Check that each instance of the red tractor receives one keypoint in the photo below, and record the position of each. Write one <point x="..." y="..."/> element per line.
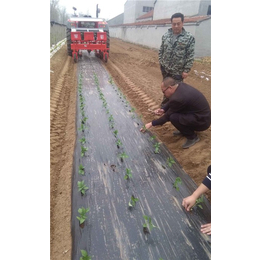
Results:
<point x="86" y="33"/>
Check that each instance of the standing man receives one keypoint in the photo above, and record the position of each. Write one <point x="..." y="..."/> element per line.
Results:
<point x="188" y="110"/>
<point x="176" y="54"/>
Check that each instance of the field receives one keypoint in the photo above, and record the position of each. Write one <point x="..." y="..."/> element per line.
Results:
<point x="135" y="70"/>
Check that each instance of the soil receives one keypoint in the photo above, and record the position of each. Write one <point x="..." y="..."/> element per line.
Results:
<point x="135" y="70"/>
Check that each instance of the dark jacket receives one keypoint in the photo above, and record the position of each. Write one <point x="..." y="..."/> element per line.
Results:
<point x="189" y="102"/>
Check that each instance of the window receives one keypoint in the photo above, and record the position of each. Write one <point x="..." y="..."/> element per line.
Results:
<point x="209" y="10"/>
<point x="147" y="9"/>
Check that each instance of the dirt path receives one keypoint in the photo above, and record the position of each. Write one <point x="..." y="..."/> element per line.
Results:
<point x="62" y="141"/>
<point x="135" y="70"/>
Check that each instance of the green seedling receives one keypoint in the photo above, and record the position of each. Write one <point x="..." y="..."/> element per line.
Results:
<point x="82" y="215"/>
<point x="152" y="137"/>
<point x="123" y="156"/>
<point x="111" y="118"/>
<point x="81" y="99"/>
<point x="118" y="143"/>
<point x="82" y="187"/>
<point x="107" y="111"/>
<point x="85" y="255"/>
<point x="132" y="201"/>
<point x="83" y="150"/>
<point x="81" y="169"/>
<point x="132" y="110"/>
<point x="157" y="148"/>
<point x="148" y="222"/>
<point x="160" y="258"/>
<point x="128" y="174"/>
<point x="112" y="125"/>
<point x="105" y="104"/>
<point x="82" y="140"/>
<point x="176" y="183"/>
<point x="144" y="128"/>
<point x="82" y="127"/>
<point x="170" y="161"/>
<point x="198" y="202"/>
<point x="110" y="80"/>
<point x="115" y="132"/>
<point x="133" y="116"/>
<point x="84" y="120"/>
<point x="82" y="113"/>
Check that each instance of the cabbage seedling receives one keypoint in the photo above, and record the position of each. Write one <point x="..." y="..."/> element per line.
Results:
<point x="115" y="132"/>
<point x="83" y="140"/>
<point x="118" y="143"/>
<point x="81" y="169"/>
<point x="128" y="174"/>
<point x="148" y="222"/>
<point x="132" y="201"/>
<point x="157" y="148"/>
<point x="177" y="182"/>
<point x="110" y="80"/>
<point x="198" y="202"/>
<point x="82" y="215"/>
<point x="111" y="118"/>
<point x="81" y="127"/>
<point x="83" y="150"/>
<point x="152" y="137"/>
<point x="170" y="161"/>
<point x="82" y="187"/>
<point x="84" y="120"/>
<point x="123" y="156"/>
<point x="85" y="255"/>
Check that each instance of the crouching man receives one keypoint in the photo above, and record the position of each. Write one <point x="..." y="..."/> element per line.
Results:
<point x="187" y="110"/>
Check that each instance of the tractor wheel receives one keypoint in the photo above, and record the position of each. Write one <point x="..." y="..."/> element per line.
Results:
<point x="105" y="57"/>
<point x="69" y="42"/>
<point x="89" y="51"/>
<point x="101" y="55"/>
<point x="108" y="40"/>
<point x="75" y="57"/>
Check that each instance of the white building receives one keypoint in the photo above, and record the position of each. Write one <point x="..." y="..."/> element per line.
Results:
<point x="133" y="9"/>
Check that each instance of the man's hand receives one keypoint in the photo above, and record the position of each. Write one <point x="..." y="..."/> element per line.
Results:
<point x="188" y="202"/>
<point x="184" y="75"/>
<point x="206" y="229"/>
<point x="159" y="111"/>
<point x="147" y="126"/>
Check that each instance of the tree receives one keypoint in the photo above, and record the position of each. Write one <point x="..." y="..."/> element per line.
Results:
<point x="54" y="9"/>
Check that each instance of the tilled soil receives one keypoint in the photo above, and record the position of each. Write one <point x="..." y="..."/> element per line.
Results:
<point x="134" y="69"/>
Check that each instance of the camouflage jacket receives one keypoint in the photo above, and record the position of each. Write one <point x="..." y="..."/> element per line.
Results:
<point x="177" y="56"/>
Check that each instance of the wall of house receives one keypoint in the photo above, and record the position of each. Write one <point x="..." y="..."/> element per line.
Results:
<point x="151" y="36"/>
<point x="165" y="9"/>
<point x="134" y="9"/>
<point x="116" y="20"/>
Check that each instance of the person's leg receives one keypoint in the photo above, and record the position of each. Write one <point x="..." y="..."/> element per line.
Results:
<point x="188" y="131"/>
<point x="185" y="130"/>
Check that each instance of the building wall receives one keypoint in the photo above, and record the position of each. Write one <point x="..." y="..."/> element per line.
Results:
<point x="134" y="9"/>
<point x="164" y="9"/>
<point x="151" y="36"/>
<point x="116" y="20"/>
<point x="203" y="39"/>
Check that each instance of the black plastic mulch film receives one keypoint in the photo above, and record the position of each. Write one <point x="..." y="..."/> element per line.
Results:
<point x="112" y="229"/>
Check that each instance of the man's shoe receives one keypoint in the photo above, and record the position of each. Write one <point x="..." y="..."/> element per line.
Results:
<point x="190" y="142"/>
<point x="176" y="133"/>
